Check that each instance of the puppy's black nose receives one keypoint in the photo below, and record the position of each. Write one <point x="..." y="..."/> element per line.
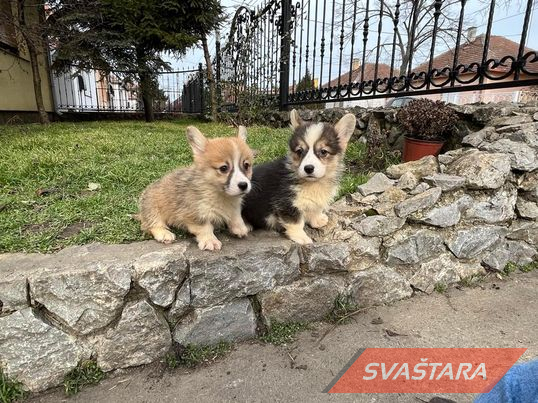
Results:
<point x="309" y="169"/>
<point x="242" y="185"/>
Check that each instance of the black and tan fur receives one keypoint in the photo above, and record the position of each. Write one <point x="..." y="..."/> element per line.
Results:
<point x="298" y="188"/>
<point x="208" y="193"/>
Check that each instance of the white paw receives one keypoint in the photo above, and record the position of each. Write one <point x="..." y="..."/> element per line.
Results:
<point x="301" y="239"/>
<point x="209" y="244"/>
<point x="165" y="236"/>
<point x="240" y="230"/>
<point x="319" y="221"/>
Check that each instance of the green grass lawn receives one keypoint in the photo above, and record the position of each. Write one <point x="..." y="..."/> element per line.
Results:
<point x="45" y="172"/>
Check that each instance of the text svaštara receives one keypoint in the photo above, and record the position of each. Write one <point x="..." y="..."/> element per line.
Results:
<point x="464" y="370"/>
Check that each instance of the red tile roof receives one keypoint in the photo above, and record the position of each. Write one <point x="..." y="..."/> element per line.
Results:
<point x="383" y="70"/>
<point x="470" y="52"/>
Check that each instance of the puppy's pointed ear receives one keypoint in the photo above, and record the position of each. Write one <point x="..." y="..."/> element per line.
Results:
<point x="196" y="139"/>
<point x="345" y="128"/>
<point x="242" y="133"/>
<point x="295" y="119"/>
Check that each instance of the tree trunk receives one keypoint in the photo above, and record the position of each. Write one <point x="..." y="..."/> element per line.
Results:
<point x="30" y="34"/>
<point x="36" y="75"/>
<point x="403" y="66"/>
<point x="146" y="85"/>
<point x="210" y="80"/>
<point x="147" y="98"/>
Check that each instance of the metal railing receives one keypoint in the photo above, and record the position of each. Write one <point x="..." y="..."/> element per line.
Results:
<point x="79" y="90"/>
<point x="321" y="51"/>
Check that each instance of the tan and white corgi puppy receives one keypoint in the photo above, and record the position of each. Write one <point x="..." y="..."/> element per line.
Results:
<point x="296" y="189"/>
<point x="206" y="194"/>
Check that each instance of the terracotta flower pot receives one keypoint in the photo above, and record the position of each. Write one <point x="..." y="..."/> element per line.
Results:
<point x="416" y="149"/>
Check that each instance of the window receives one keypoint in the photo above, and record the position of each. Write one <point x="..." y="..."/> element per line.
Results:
<point x="8" y="39"/>
<point x="81" y="86"/>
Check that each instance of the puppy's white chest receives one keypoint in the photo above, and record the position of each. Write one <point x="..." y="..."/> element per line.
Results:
<point x="314" y="196"/>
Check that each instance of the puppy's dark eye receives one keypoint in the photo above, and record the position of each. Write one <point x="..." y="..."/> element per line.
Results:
<point x="299" y="152"/>
<point x="246" y="165"/>
<point x="223" y="169"/>
<point x="323" y="152"/>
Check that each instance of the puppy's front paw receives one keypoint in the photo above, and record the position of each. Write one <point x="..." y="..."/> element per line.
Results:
<point x="240" y="230"/>
<point x="319" y="221"/>
<point x="163" y="235"/>
<point x="301" y="239"/>
<point x="209" y="244"/>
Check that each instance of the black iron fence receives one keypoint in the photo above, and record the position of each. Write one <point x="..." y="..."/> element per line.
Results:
<point x="79" y="90"/>
<point x="320" y="51"/>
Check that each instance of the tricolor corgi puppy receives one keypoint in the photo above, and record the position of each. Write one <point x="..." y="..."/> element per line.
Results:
<point x="206" y="194"/>
<point x="296" y="189"/>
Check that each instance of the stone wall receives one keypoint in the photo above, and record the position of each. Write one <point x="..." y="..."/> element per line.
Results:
<point x="436" y="220"/>
<point x="473" y="117"/>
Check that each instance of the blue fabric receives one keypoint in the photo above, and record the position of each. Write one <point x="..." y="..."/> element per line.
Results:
<point x="519" y="385"/>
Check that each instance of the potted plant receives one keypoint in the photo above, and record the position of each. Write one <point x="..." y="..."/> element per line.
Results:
<point x="427" y="125"/>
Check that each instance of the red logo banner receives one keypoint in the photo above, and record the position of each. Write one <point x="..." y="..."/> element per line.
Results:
<point x="425" y="370"/>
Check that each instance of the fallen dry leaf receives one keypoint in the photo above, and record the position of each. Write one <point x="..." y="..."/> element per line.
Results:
<point x="392" y="333"/>
<point x="92" y="186"/>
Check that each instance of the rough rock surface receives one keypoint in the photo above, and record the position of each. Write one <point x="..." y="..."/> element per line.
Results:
<point x="524" y="231"/>
<point x="408" y="181"/>
<point x="181" y="305"/>
<point x="444" y="270"/>
<point x="445" y="182"/>
<point x="511" y="120"/>
<point x="450" y="156"/>
<point x="414" y="248"/>
<point x="517" y="252"/>
<point x="160" y="273"/>
<point x="421" y="187"/>
<point x="527" y="208"/>
<point x="469" y="243"/>
<point x="475" y="139"/>
<point x="13" y="294"/>
<point x="365" y="251"/>
<point x="529" y="181"/>
<point x="482" y="170"/>
<point x="306" y="299"/>
<point x="421" y="201"/>
<point x="445" y="216"/>
<point x="387" y="200"/>
<point x="70" y="293"/>
<point x="522" y="157"/>
<point x="378" y="285"/>
<point x="377" y="184"/>
<point x="495" y="208"/>
<point x="140" y="337"/>
<point x="251" y="267"/>
<point x="327" y="257"/>
<point x="422" y="167"/>
<point x="34" y="353"/>
<point x="379" y="225"/>
<point x="232" y="321"/>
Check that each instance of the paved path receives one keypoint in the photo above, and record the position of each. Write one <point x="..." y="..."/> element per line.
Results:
<point x="499" y="314"/>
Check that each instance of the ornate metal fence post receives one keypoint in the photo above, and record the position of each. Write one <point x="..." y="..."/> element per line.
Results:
<point x="201" y="87"/>
<point x="285" y="45"/>
<point x="217" y="71"/>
